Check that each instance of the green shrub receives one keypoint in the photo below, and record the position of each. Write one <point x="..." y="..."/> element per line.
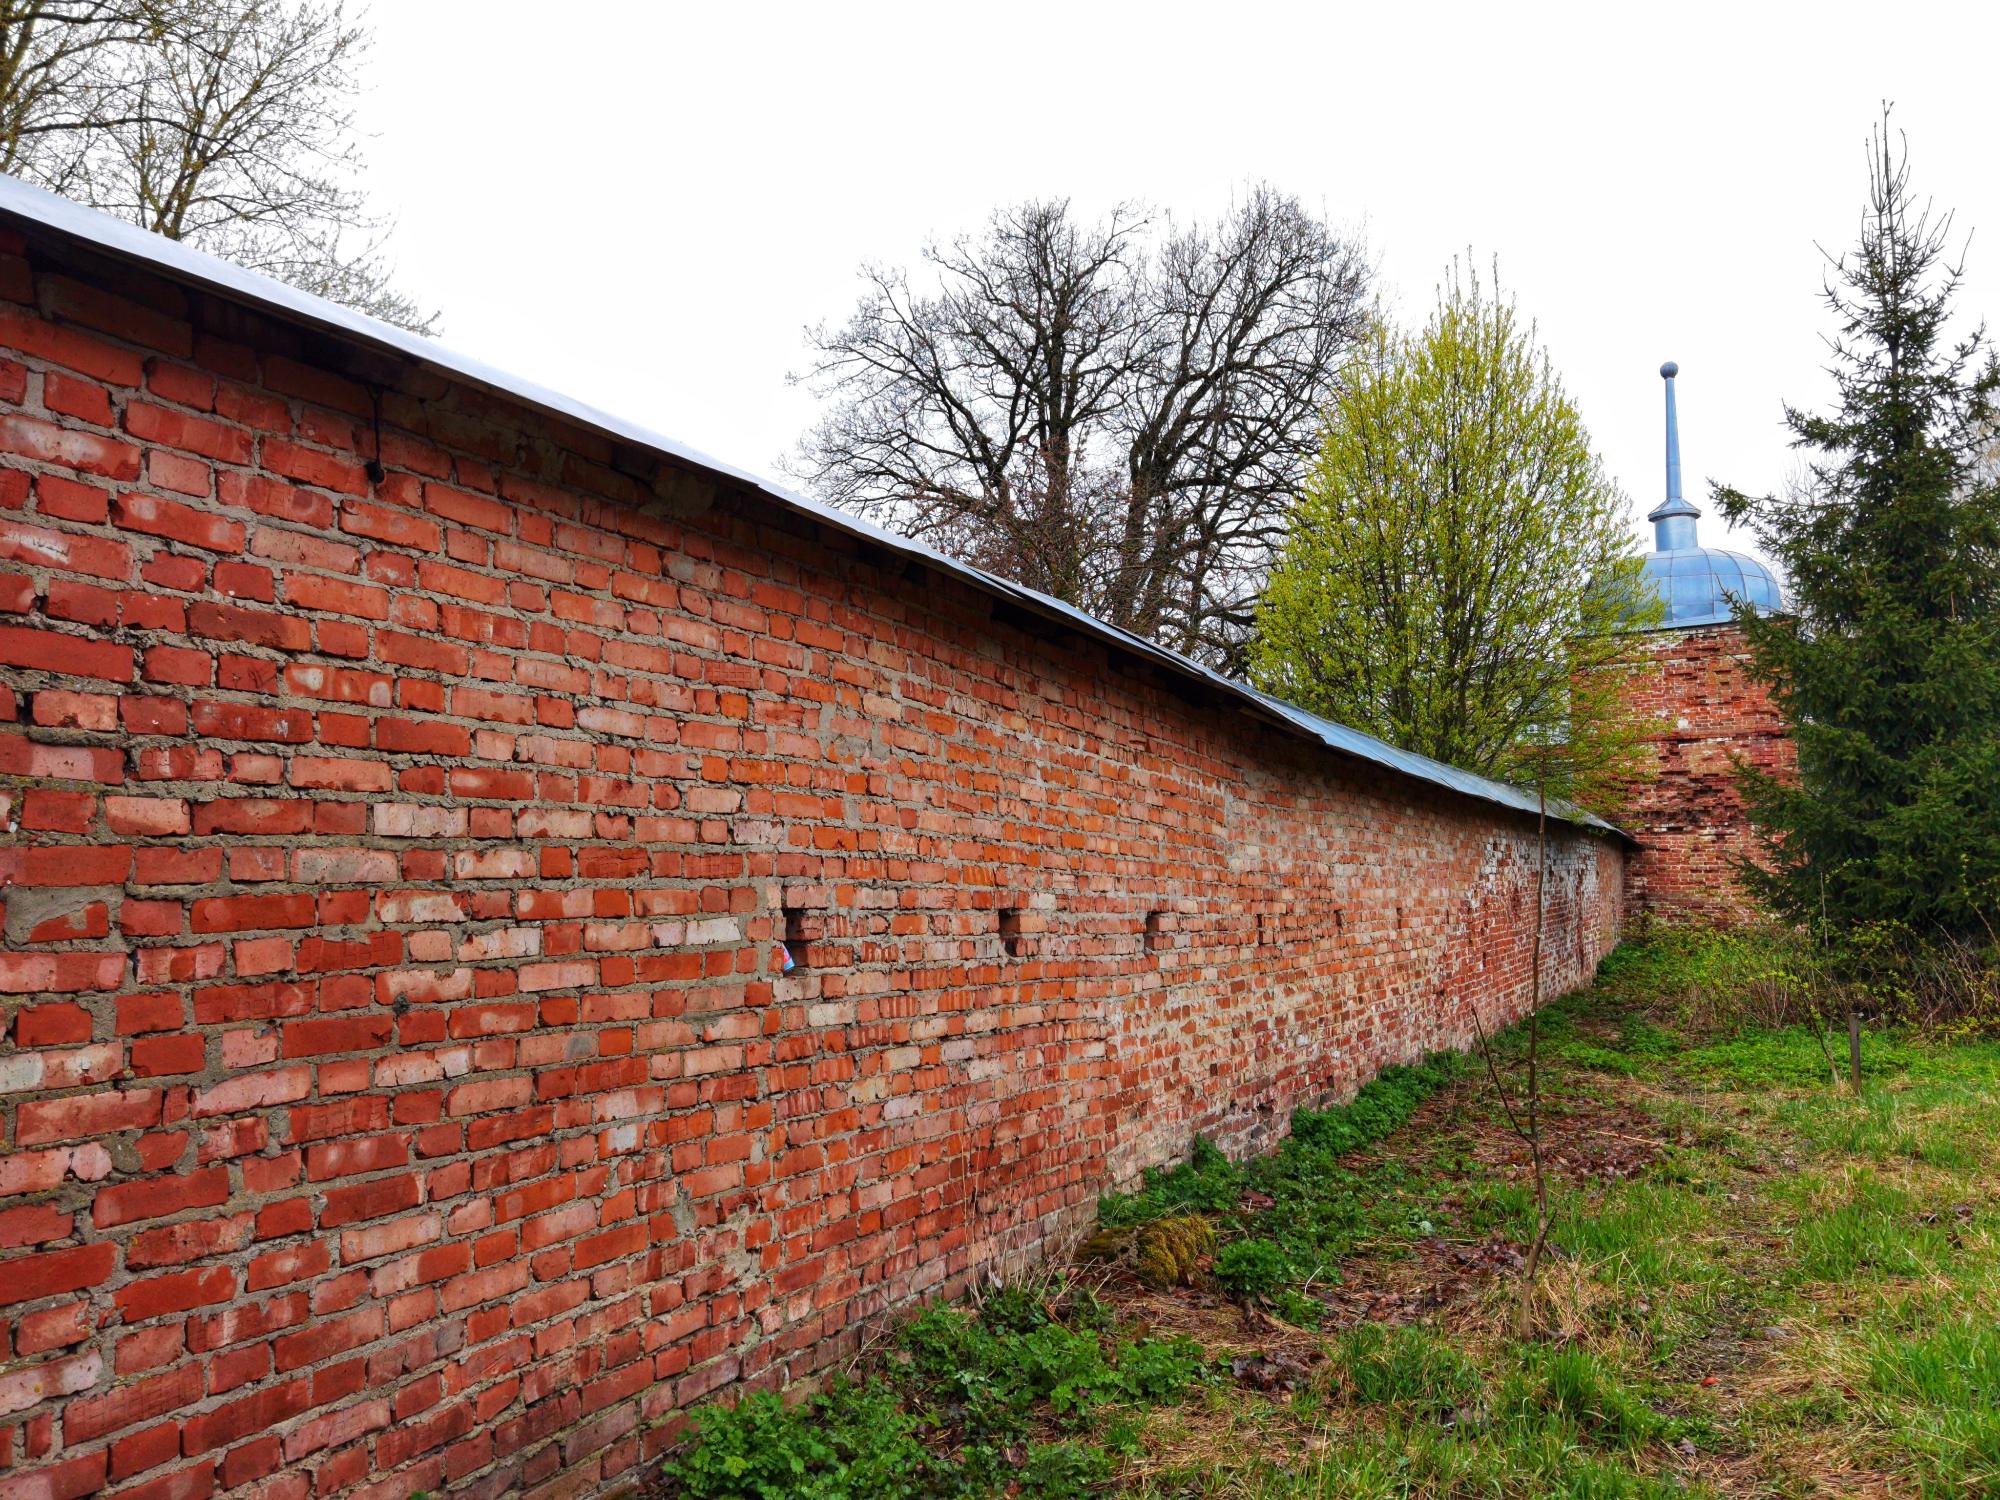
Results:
<point x="1296" y="1308"/>
<point x="1063" y="1471"/>
<point x="1252" y="1268"/>
<point x="1708" y="980"/>
<point x="849" y="1442"/>
<point x="994" y="1381"/>
<point x="1014" y="1309"/>
<point x="1208" y="1182"/>
<point x="1156" y="1371"/>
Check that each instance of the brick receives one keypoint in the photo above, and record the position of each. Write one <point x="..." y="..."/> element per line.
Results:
<point x="66" y="1069"/>
<point x="328" y="1337"/>
<point x="64" y="1480"/>
<point x="33" y="1224"/>
<point x="135" y="319"/>
<point x="146" y="817"/>
<point x="181" y="385"/>
<point x="197" y="1239"/>
<point x="315" y="1038"/>
<point x="253" y="1091"/>
<point x="61" y="973"/>
<point x="49" y="1328"/>
<point x="29" y="1278"/>
<point x="370" y="1200"/>
<point x="338" y="596"/>
<point x="249" y="913"/>
<point x="60" y="710"/>
<point x="40" y="1121"/>
<point x="65" y="346"/>
<point x="139" y="1451"/>
<point x="81" y="399"/>
<point x="247" y="721"/>
<point x="121" y="1203"/>
<point x="79" y="656"/>
<point x="38" y="1171"/>
<point x="172" y="429"/>
<point x="64" y="551"/>
<point x="85" y="452"/>
<point x="245" y="1417"/>
<point x="177" y="1292"/>
<point x="399" y="528"/>
<point x="141" y="1401"/>
<point x="326" y="471"/>
<point x="245" y="1322"/>
<point x="53" y="1025"/>
<point x="68" y="500"/>
<point x="258" y="627"/>
<point x="1693" y="684"/>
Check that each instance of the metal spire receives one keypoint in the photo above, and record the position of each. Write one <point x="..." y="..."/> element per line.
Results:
<point x="1673" y="521"/>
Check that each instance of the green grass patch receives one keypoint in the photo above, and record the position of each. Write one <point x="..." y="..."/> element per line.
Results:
<point x="1319" y="1207"/>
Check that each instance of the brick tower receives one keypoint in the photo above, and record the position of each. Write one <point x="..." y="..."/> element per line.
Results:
<point x="1709" y="712"/>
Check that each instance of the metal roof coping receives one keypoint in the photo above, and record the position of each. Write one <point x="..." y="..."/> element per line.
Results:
<point x="40" y="209"/>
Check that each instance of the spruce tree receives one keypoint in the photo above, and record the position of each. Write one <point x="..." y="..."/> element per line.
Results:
<point x="1888" y="663"/>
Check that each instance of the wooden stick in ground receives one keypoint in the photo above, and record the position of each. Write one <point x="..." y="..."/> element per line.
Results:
<point x="1534" y="1260"/>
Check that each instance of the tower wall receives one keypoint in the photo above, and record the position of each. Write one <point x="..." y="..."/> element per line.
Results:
<point x="1689" y="818"/>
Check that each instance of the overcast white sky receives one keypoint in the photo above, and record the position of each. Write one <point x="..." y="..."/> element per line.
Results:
<point x="645" y="204"/>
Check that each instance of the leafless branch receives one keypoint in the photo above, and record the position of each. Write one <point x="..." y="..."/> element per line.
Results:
<point x="224" y="123"/>
<point x="1115" y="413"/>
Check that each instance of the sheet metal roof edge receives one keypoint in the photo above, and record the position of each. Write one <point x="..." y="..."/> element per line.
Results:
<point x="170" y="258"/>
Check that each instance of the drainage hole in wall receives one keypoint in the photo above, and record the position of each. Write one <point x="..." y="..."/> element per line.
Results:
<point x="797" y="937"/>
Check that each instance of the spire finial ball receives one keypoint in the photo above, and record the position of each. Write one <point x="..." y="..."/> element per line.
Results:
<point x="1669" y="370"/>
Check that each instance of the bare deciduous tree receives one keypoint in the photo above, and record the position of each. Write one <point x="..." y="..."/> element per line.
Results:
<point x="225" y="123"/>
<point x="1114" y="413"/>
<point x="58" y="79"/>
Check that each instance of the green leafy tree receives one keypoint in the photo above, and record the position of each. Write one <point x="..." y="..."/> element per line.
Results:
<point x="1459" y="566"/>
<point x="1458" y="579"/>
<point x="1888" y="665"/>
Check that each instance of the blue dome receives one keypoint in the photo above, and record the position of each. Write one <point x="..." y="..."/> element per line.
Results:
<point x="1698" y="585"/>
<point x="1702" y="585"/>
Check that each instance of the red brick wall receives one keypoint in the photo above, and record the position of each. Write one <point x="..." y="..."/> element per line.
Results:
<point x="398" y="1089"/>
<point x="1689" y="819"/>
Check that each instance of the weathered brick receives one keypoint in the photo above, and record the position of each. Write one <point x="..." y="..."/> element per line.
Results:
<point x="121" y="1203"/>
<point x="66" y="551"/>
<point x="44" y="442"/>
<point x="79" y="656"/>
<point x="141" y="1401"/>
<point x="173" y="429"/>
<point x="32" y="1277"/>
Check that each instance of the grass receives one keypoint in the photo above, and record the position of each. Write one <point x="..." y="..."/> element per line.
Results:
<point x="1758" y="1284"/>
